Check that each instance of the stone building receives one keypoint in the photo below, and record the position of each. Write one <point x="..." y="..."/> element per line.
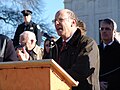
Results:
<point x="92" y="11"/>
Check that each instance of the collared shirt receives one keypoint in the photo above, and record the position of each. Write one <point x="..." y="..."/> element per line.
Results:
<point x="104" y="45"/>
<point x="69" y="37"/>
<point x="36" y="53"/>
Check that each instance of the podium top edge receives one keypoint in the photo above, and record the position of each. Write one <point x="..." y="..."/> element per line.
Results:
<point x="38" y="63"/>
<point x="30" y="61"/>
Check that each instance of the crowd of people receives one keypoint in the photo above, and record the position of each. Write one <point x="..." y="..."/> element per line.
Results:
<point x="95" y="67"/>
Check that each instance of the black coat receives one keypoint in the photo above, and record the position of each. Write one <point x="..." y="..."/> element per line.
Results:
<point x="30" y="27"/>
<point x="109" y="61"/>
<point x="7" y="50"/>
<point x="75" y="58"/>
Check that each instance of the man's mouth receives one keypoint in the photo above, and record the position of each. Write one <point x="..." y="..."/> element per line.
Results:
<point x="59" y="29"/>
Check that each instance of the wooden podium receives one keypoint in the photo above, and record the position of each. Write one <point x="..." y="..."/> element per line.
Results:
<point x="43" y="74"/>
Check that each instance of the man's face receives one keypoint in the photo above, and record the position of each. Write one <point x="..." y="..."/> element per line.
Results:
<point x="23" y="41"/>
<point x="27" y="18"/>
<point x="107" y="32"/>
<point x="47" y="46"/>
<point x="63" y="24"/>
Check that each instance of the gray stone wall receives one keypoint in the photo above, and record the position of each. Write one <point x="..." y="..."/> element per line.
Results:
<point x="92" y="11"/>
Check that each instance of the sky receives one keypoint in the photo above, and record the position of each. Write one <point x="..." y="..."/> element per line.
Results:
<point x="51" y="7"/>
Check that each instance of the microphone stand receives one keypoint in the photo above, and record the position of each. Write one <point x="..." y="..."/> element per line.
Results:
<point x="52" y="44"/>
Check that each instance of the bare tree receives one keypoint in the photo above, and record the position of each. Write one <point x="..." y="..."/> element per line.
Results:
<point x="10" y="14"/>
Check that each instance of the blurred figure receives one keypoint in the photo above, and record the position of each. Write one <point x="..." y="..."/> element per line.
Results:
<point x="109" y="56"/>
<point x="7" y="50"/>
<point x="48" y="45"/>
<point x="46" y="49"/>
<point x="77" y="54"/>
<point x="117" y="36"/>
<point x="27" y="25"/>
<point x="29" y="50"/>
<point x="82" y="26"/>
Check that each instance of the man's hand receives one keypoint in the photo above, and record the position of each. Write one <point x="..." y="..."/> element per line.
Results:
<point x="22" y="54"/>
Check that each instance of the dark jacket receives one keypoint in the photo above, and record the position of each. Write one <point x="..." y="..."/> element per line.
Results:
<point x="7" y="51"/>
<point x="110" y="61"/>
<point x="80" y="58"/>
<point x="30" y="27"/>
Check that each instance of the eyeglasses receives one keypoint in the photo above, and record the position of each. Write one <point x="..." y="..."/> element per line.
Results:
<point x="59" y="20"/>
<point x="105" y="28"/>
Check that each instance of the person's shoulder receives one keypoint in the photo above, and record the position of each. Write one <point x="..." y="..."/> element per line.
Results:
<point x="35" y="24"/>
<point x="21" y="24"/>
<point x="32" y="22"/>
<point x="38" y="46"/>
<point x="3" y="36"/>
<point x="88" y="41"/>
<point x="116" y="43"/>
<point x="59" y="40"/>
<point x="37" y="49"/>
<point x="87" y="38"/>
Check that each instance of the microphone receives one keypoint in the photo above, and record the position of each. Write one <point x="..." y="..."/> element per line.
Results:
<point x="50" y="38"/>
<point x="46" y="35"/>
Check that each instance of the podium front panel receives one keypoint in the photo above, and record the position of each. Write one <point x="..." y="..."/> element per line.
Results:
<point x="25" y="79"/>
<point x="34" y="75"/>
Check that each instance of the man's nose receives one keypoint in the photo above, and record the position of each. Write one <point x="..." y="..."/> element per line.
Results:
<point x="57" y="22"/>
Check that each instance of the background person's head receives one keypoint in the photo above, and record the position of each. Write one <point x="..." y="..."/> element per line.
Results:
<point x="82" y="26"/>
<point x="48" y="43"/>
<point x="117" y="36"/>
<point x="108" y="29"/>
<point x="47" y="46"/>
<point x="28" y="39"/>
<point x="27" y="15"/>
<point x="65" y="23"/>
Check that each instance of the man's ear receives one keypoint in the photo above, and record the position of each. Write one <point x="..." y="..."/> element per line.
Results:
<point x="74" y="22"/>
<point x="32" y="41"/>
<point x="114" y="32"/>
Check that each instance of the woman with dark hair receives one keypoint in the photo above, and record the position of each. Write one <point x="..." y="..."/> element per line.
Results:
<point x="82" y="26"/>
<point x="46" y="49"/>
<point x="48" y="45"/>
